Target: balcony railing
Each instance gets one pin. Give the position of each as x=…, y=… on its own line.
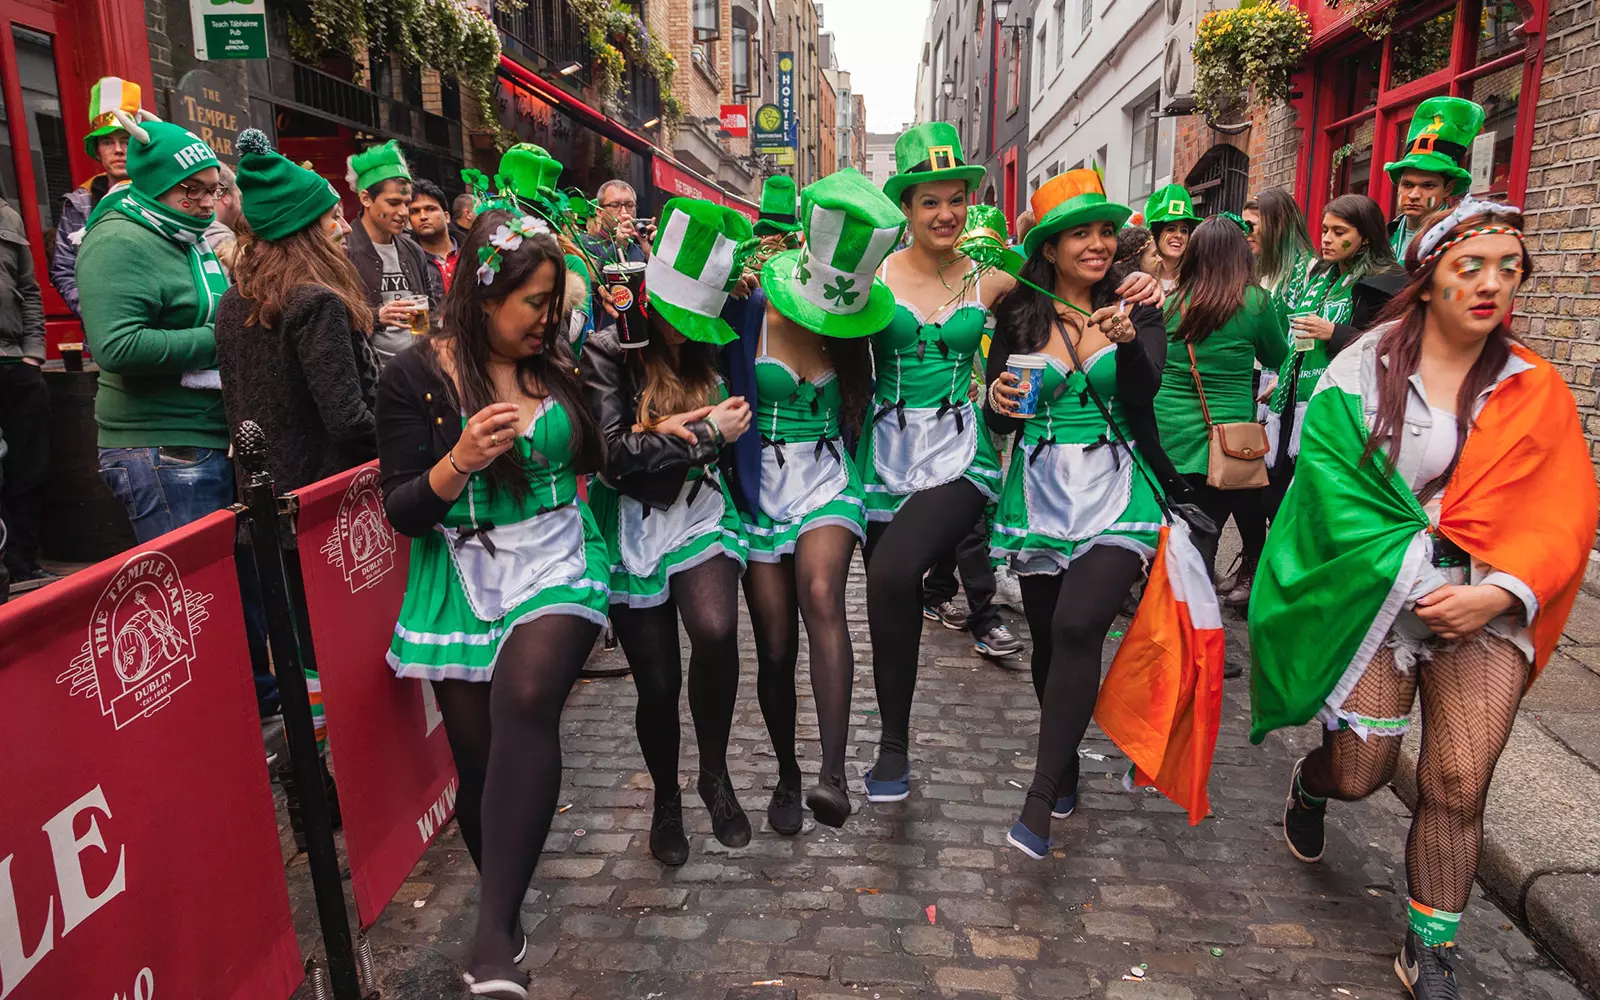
x=359, y=108
x=547, y=34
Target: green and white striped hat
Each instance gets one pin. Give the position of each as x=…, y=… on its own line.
x=830, y=285
x=696, y=262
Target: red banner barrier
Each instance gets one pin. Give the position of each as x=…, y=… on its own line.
x=139, y=850
x=397, y=782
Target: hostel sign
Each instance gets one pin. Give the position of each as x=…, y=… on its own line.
x=229, y=29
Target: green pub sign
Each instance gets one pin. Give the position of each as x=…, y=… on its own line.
x=229, y=29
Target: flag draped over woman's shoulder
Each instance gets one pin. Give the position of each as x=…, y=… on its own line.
x=1161, y=701
x=1351, y=542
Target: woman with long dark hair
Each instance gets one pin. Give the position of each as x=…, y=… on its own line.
x=673, y=533
x=1277, y=234
x=1329, y=304
x=1425, y=449
x=1079, y=516
x=1220, y=323
x=927, y=470
x=813, y=383
x=482, y=433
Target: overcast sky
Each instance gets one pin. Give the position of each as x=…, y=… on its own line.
x=880, y=43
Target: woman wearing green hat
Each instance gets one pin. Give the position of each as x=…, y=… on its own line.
x=672, y=531
x=812, y=381
x=1079, y=516
x=1169, y=214
x=292, y=331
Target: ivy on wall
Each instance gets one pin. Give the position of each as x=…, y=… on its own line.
x=617, y=37
x=1258, y=44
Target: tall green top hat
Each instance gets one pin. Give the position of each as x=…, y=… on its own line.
x=1072, y=199
x=1442, y=131
x=830, y=285
x=529, y=169
x=109, y=94
x=777, y=207
x=1170, y=204
x=697, y=259
x=278, y=197
x=375, y=165
x=930, y=152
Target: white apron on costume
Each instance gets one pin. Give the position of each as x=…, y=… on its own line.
x=546, y=550
x=645, y=535
x=930, y=451
x=1075, y=491
x=803, y=482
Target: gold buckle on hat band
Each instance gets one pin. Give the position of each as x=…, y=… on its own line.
x=941, y=157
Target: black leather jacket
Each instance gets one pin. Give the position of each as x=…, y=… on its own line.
x=647, y=466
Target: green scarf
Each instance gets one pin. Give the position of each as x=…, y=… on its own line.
x=1321, y=292
x=188, y=232
x=1400, y=239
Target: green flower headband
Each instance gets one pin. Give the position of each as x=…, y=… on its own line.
x=505, y=239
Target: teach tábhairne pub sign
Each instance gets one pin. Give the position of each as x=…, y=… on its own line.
x=229, y=29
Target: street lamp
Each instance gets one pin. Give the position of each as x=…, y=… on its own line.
x=948, y=87
x=652, y=123
x=570, y=68
x=1002, y=10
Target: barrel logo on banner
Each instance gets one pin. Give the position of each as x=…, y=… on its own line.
x=141, y=640
x=362, y=544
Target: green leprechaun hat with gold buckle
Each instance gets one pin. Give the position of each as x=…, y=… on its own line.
x=698, y=258
x=1170, y=204
x=928, y=153
x=777, y=207
x=830, y=285
x=1072, y=199
x=1442, y=131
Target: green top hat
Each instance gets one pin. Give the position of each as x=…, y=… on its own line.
x=930, y=152
x=376, y=164
x=986, y=240
x=697, y=259
x=777, y=207
x=278, y=197
x=529, y=169
x=109, y=94
x=1170, y=204
x=1072, y=199
x=830, y=285
x=1442, y=131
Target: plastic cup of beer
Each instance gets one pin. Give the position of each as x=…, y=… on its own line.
x=625, y=281
x=1301, y=344
x=419, y=316
x=1029, y=370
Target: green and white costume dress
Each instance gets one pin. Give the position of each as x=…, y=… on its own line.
x=924, y=432
x=1071, y=485
x=645, y=546
x=496, y=561
x=807, y=478
x=1326, y=294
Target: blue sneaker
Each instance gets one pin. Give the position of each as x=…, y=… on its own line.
x=1064, y=806
x=1028, y=842
x=888, y=791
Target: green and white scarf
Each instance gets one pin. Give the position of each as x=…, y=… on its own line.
x=1321, y=292
x=210, y=280
x=1401, y=238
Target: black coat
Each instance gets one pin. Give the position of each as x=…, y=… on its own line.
x=418, y=423
x=310, y=382
x=1367, y=300
x=414, y=264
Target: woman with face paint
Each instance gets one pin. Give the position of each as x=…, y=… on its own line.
x=1433, y=438
x=1329, y=303
x=292, y=331
x=1170, y=215
x=482, y=433
x=676, y=546
x=1277, y=235
x=1077, y=520
x=927, y=468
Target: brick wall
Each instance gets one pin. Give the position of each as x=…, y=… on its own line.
x=1560, y=311
x=1279, y=158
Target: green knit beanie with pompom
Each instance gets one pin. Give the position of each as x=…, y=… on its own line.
x=278, y=197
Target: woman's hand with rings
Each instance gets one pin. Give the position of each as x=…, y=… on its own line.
x=1140, y=289
x=489, y=434
x=1005, y=396
x=1113, y=323
x=1455, y=612
x=1314, y=327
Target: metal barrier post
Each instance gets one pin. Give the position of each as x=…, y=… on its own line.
x=268, y=545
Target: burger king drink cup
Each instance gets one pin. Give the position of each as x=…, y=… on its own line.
x=626, y=283
x=1029, y=370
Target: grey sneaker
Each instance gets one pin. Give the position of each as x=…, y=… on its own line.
x=997, y=643
x=947, y=614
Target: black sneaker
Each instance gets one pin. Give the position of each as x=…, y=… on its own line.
x=829, y=802
x=668, y=843
x=997, y=642
x=1303, y=821
x=947, y=614
x=728, y=822
x=1428, y=973
x=783, y=812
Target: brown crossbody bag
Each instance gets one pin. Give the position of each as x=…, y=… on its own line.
x=1238, y=457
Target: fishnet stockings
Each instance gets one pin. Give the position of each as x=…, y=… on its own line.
x=1348, y=767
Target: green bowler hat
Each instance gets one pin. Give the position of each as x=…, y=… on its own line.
x=529, y=169
x=1442, y=131
x=930, y=152
x=777, y=207
x=1072, y=199
x=697, y=260
x=830, y=285
x=375, y=165
x=1170, y=204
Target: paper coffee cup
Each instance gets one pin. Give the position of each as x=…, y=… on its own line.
x=1029, y=370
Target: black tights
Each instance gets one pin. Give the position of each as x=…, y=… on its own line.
x=1248, y=508
x=810, y=583
x=706, y=597
x=1069, y=615
x=928, y=526
x=510, y=780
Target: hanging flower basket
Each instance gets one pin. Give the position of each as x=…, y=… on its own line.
x=1258, y=44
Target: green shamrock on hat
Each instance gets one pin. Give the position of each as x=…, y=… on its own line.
x=840, y=290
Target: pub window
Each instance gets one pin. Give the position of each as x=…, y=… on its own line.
x=47, y=132
x=741, y=59
x=1142, y=164
x=707, y=20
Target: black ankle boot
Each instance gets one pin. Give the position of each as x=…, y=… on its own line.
x=728, y=821
x=667, y=841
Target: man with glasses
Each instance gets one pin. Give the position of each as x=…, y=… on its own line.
x=616, y=234
x=221, y=235
x=107, y=145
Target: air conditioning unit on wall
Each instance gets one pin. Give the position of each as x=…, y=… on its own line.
x=1179, y=20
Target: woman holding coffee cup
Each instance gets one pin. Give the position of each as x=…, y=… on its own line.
x=676, y=545
x=1077, y=520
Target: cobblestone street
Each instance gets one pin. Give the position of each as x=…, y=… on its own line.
x=922, y=898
